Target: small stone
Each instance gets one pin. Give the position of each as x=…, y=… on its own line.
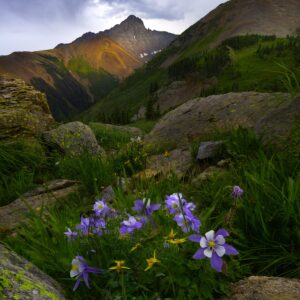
x=209, y=149
x=108, y=194
x=224, y=163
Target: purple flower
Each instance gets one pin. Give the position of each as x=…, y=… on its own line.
x=71, y=234
x=237, y=192
x=144, y=206
x=99, y=226
x=213, y=246
x=128, y=226
x=174, y=203
x=187, y=221
x=81, y=270
x=84, y=225
x=101, y=208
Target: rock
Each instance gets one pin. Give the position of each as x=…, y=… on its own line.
x=177, y=161
x=179, y=92
x=207, y=174
x=141, y=114
x=209, y=149
x=14, y=214
x=272, y=115
x=265, y=288
x=108, y=194
x=19, y=279
x=224, y=163
x=23, y=110
x=73, y=138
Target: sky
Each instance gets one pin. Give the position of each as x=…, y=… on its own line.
x=29, y=25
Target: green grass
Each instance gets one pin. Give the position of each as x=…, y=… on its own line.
x=264, y=223
x=110, y=138
x=145, y=125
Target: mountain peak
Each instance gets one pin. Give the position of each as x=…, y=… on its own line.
x=133, y=19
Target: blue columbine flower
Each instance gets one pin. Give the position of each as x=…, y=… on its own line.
x=130, y=225
x=237, y=192
x=145, y=207
x=81, y=270
x=84, y=226
x=99, y=225
x=187, y=221
x=175, y=202
x=101, y=208
x=71, y=234
x=213, y=246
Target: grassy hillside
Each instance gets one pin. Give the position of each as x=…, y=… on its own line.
x=246, y=63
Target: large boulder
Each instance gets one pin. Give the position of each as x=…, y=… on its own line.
x=73, y=138
x=272, y=115
x=23, y=110
x=265, y=288
x=19, y=279
x=15, y=213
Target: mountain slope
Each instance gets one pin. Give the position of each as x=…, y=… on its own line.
x=75, y=75
x=194, y=57
x=240, y=17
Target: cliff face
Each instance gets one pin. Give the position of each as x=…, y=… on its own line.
x=23, y=110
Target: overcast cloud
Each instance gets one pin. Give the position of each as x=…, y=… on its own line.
x=27, y=25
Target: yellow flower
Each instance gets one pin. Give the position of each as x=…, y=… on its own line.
x=171, y=235
x=151, y=261
x=167, y=154
x=135, y=247
x=177, y=241
x=120, y=265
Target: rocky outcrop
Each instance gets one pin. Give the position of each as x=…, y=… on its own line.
x=134, y=131
x=73, y=138
x=209, y=149
x=15, y=213
x=272, y=116
x=177, y=162
x=23, y=110
x=19, y=279
x=265, y=288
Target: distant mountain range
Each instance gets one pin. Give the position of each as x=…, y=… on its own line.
x=75, y=75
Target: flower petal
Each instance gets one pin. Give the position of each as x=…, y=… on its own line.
x=220, y=239
x=86, y=279
x=230, y=250
x=195, y=238
x=210, y=235
x=199, y=254
x=223, y=232
x=208, y=252
x=216, y=262
x=220, y=250
x=203, y=242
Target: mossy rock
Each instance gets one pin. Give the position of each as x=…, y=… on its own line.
x=21, y=280
x=24, y=111
x=74, y=139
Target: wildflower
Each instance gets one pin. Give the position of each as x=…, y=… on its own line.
x=81, y=270
x=84, y=225
x=174, y=203
x=70, y=234
x=177, y=241
x=120, y=265
x=213, y=246
x=128, y=226
x=171, y=235
x=167, y=154
x=99, y=226
x=135, y=247
x=144, y=206
x=152, y=261
x=187, y=221
x=101, y=208
x=237, y=192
